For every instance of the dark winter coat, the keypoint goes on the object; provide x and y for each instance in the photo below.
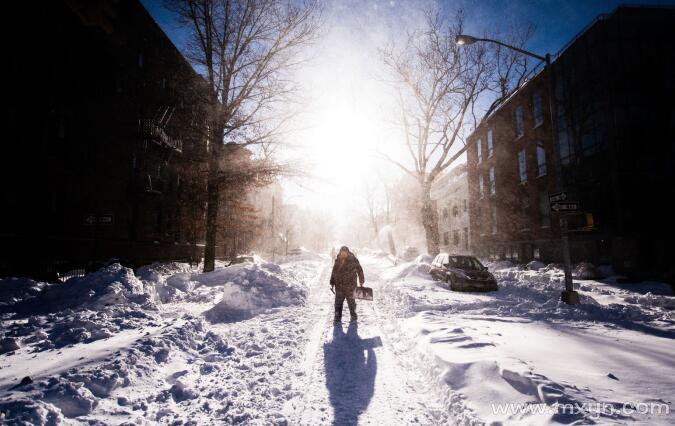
(344, 279)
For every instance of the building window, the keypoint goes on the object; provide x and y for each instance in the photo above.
(492, 181)
(494, 219)
(544, 209)
(479, 150)
(455, 237)
(465, 208)
(522, 166)
(466, 238)
(541, 159)
(520, 129)
(490, 146)
(446, 238)
(445, 213)
(537, 110)
(525, 212)
(455, 211)
(536, 253)
(480, 185)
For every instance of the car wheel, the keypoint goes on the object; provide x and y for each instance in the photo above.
(448, 282)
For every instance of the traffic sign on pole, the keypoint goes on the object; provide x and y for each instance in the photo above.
(565, 207)
(558, 196)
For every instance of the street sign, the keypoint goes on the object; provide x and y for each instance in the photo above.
(104, 219)
(558, 196)
(565, 207)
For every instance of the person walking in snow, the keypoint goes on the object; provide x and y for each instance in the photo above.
(346, 270)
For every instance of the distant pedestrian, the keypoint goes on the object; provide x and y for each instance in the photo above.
(343, 279)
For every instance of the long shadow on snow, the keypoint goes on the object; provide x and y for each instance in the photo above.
(350, 367)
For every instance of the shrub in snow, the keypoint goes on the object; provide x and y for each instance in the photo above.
(586, 271)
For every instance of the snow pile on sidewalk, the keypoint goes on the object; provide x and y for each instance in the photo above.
(120, 348)
(249, 290)
(78, 392)
(81, 310)
(419, 267)
(15, 290)
(496, 357)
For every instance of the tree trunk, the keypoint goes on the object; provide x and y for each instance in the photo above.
(212, 203)
(211, 222)
(430, 222)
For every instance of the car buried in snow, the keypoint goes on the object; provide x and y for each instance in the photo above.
(462, 273)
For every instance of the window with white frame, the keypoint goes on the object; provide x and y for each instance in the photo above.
(480, 185)
(541, 159)
(479, 150)
(490, 146)
(520, 129)
(492, 181)
(522, 166)
(537, 109)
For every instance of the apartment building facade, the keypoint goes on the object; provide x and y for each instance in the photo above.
(106, 142)
(613, 152)
(451, 195)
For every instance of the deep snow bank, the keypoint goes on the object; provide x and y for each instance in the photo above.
(81, 310)
(479, 350)
(249, 290)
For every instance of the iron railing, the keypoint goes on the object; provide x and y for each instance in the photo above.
(150, 129)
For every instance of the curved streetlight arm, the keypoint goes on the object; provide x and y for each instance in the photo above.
(517, 49)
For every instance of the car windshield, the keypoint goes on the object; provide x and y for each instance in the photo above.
(464, 262)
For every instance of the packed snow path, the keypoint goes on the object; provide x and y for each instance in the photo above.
(255, 344)
(351, 375)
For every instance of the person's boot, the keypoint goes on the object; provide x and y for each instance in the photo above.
(337, 319)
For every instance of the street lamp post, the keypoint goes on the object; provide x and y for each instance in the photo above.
(568, 295)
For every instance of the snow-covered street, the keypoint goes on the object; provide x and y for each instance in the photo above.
(255, 344)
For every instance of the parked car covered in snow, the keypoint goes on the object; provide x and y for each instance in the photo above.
(462, 273)
(410, 253)
(295, 251)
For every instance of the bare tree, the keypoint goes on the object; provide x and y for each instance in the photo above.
(370, 197)
(437, 85)
(511, 68)
(245, 50)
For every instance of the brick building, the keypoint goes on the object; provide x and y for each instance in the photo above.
(105, 145)
(615, 119)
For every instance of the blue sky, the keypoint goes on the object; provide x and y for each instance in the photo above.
(556, 22)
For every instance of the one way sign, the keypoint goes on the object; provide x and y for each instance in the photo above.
(558, 196)
(565, 207)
